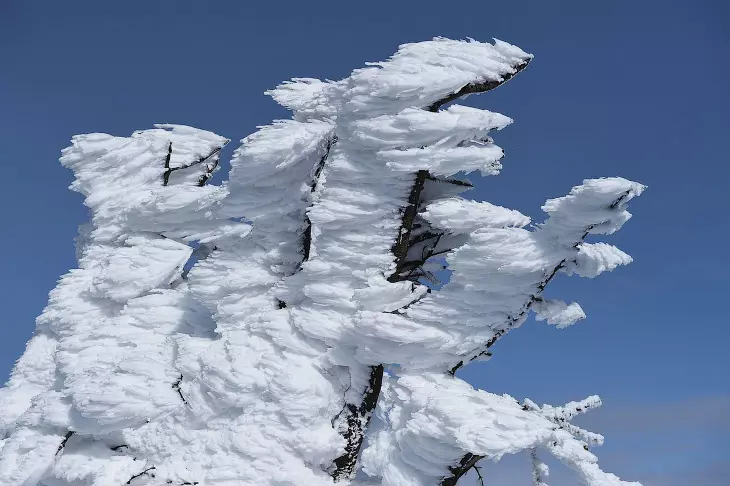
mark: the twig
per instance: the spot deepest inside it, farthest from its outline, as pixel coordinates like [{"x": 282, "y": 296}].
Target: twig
[
  {"x": 467, "y": 462},
  {"x": 456, "y": 182},
  {"x": 479, "y": 473},
  {"x": 169, "y": 170},
  {"x": 63, "y": 442},
  {"x": 140, "y": 474},
  {"x": 176, "y": 387}
]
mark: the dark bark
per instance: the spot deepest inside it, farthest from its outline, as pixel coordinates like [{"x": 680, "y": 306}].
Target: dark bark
[
  {"x": 176, "y": 387},
  {"x": 456, "y": 182},
  {"x": 146, "y": 471},
  {"x": 482, "y": 87},
  {"x": 307, "y": 235},
  {"x": 402, "y": 242},
  {"x": 479, "y": 474},
  {"x": 467, "y": 462},
  {"x": 203, "y": 178},
  {"x": 357, "y": 421},
  {"x": 66, "y": 437}
]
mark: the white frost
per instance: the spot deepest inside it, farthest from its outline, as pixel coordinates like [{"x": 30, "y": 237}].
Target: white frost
[{"x": 229, "y": 335}]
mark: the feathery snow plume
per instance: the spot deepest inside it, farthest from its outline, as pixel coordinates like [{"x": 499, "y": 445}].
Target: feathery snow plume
[
  {"x": 109, "y": 345},
  {"x": 288, "y": 327}
]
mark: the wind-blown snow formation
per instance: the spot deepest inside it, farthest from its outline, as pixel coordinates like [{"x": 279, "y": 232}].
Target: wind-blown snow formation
[{"x": 282, "y": 328}]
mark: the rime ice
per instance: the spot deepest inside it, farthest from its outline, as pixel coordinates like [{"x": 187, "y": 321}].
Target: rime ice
[{"x": 284, "y": 328}]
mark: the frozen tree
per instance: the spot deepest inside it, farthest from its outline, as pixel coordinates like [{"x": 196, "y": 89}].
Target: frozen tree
[{"x": 288, "y": 327}]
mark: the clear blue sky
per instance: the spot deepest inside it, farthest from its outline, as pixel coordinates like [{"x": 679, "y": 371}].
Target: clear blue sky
[{"x": 639, "y": 89}]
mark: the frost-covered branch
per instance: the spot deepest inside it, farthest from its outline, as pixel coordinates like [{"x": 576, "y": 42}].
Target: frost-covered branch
[
  {"x": 539, "y": 469},
  {"x": 479, "y": 87},
  {"x": 427, "y": 418},
  {"x": 141, "y": 473},
  {"x": 307, "y": 236},
  {"x": 209, "y": 168},
  {"x": 66, "y": 437}
]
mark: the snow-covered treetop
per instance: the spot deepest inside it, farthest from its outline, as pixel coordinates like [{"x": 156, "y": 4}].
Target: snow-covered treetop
[
  {"x": 420, "y": 75},
  {"x": 284, "y": 328}
]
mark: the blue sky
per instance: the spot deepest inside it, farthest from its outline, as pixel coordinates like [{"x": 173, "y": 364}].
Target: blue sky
[{"x": 636, "y": 89}]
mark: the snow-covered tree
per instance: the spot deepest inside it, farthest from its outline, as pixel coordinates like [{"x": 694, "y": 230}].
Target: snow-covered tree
[{"x": 284, "y": 328}]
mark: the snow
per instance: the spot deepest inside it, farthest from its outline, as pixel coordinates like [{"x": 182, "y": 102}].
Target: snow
[
  {"x": 595, "y": 258},
  {"x": 224, "y": 335},
  {"x": 558, "y": 312}
]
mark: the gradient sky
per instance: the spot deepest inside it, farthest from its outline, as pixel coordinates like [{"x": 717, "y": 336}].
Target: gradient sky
[{"x": 639, "y": 89}]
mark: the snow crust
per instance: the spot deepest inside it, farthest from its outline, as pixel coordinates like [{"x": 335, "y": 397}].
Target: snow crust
[{"x": 219, "y": 335}]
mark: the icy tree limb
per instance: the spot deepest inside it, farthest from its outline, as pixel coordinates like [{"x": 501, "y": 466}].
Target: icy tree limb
[
  {"x": 66, "y": 437},
  {"x": 203, "y": 178},
  {"x": 357, "y": 420},
  {"x": 479, "y": 87},
  {"x": 307, "y": 234},
  {"x": 467, "y": 462},
  {"x": 613, "y": 210},
  {"x": 539, "y": 469}
]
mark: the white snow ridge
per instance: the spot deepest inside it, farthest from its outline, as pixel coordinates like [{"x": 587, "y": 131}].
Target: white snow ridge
[{"x": 285, "y": 328}]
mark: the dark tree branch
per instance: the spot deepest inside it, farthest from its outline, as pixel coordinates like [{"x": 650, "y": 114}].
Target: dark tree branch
[
  {"x": 176, "y": 387},
  {"x": 467, "y": 462},
  {"x": 208, "y": 173},
  {"x": 166, "y": 175},
  {"x": 479, "y": 473},
  {"x": 482, "y": 87},
  {"x": 146, "y": 471},
  {"x": 307, "y": 236},
  {"x": 456, "y": 182},
  {"x": 66, "y": 437},
  {"x": 426, "y": 235},
  {"x": 402, "y": 243},
  {"x": 358, "y": 419},
  {"x": 204, "y": 178}
]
